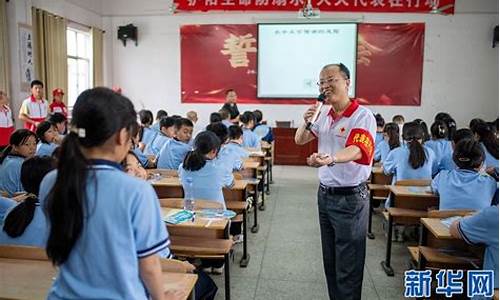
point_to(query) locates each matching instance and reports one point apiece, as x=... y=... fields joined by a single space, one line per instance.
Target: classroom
x=249 y=149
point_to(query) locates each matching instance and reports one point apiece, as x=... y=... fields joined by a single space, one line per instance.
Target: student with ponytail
x=25 y=224
x=439 y=142
x=390 y=142
x=412 y=160
x=465 y=187
x=447 y=162
x=105 y=228
x=47 y=137
x=250 y=138
x=22 y=145
x=489 y=143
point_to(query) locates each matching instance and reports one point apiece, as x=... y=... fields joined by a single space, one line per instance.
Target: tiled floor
x=286 y=253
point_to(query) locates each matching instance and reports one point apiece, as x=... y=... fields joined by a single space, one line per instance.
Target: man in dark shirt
x=231 y=106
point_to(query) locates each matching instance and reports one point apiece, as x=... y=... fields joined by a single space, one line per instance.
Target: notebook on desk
x=178 y=216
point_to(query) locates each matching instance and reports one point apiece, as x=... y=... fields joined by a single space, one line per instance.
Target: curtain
x=97 y=40
x=51 y=61
x=4 y=50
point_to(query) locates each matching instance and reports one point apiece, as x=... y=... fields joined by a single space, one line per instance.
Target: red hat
x=57 y=91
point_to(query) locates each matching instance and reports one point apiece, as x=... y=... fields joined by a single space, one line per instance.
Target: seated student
x=25 y=224
x=159 y=115
x=201 y=168
x=146 y=134
x=60 y=122
x=6 y=121
x=132 y=166
x=473 y=123
x=22 y=145
x=138 y=148
x=489 y=143
x=167 y=132
x=225 y=157
x=400 y=120
x=447 y=162
x=235 y=143
x=5 y=205
x=439 y=143
x=250 y=139
x=47 y=136
x=57 y=105
x=449 y=121
x=215 y=117
x=424 y=128
x=262 y=130
x=226 y=117
x=193 y=117
x=465 y=187
x=481 y=228
x=390 y=142
x=380 y=128
x=411 y=160
x=173 y=153
x=102 y=248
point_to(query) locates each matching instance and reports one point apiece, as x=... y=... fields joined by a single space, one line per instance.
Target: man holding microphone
x=345 y=132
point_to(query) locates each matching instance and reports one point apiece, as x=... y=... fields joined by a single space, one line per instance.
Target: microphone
x=321 y=100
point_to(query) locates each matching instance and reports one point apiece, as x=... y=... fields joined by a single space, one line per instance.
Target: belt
x=343 y=190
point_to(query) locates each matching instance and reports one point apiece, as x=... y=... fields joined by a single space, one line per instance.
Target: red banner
x=218 y=57
x=373 y=6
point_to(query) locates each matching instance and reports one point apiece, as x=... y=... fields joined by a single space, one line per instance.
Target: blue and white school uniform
x=489 y=160
x=34 y=235
x=250 y=139
x=172 y=154
x=447 y=163
x=396 y=163
x=10 y=174
x=237 y=151
x=156 y=144
x=482 y=228
x=442 y=148
x=143 y=158
x=382 y=149
x=45 y=149
x=463 y=189
x=123 y=225
x=148 y=135
x=5 y=205
x=207 y=181
x=379 y=137
x=156 y=126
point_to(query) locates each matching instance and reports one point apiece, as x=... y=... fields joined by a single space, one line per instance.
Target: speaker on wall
x=127 y=32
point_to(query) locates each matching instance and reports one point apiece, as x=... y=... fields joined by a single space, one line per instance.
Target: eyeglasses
x=328 y=81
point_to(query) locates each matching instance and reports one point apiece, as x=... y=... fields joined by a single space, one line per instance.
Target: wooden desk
x=378 y=193
x=286 y=152
x=29 y=279
x=199 y=227
x=250 y=164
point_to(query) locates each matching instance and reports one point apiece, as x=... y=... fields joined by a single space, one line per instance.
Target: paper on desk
x=448 y=221
x=177 y=216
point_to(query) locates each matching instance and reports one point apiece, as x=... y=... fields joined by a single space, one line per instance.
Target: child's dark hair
x=439 y=130
x=224 y=115
x=220 y=130
x=462 y=134
x=41 y=129
x=449 y=121
x=32 y=172
x=380 y=120
x=235 y=132
x=398 y=118
x=146 y=117
x=36 y=82
x=487 y=137
x=412 y=133
x=258 y=116
x=183 y=122
x=17 y=138
x=124 y=161
x=215 y=117
x=424 y=128
x=167 y=122
x=392 y=130
x=161 y=114
x=474 y=122
x=204 y=142
x=246 y=117
x=468 y=154
x=91 y=127
x=57 y=118
x=441 y=116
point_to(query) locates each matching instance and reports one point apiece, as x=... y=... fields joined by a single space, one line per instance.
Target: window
x=79 y=63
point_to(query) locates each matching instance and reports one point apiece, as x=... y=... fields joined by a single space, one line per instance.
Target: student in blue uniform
x=25 y=224
x=173 y=153
x=159 y=115
x=22 y=145
x=5 y=205
x=60 y=121
x=235 y=143
x=449 y=121
x=422 y=124
x=104 y=249
x=481 y=228
x=379 y=136
x=447 y=162
x=465 y=187
x=47 y=137
x=439 y=143
x=262 y=130
x=132 y=166
x=146 y=134
x=486 y=136
x=411 y=160
x=167 y=133
x=390 y=142
x=226 y=118
x=250 y=139
x=226 y=159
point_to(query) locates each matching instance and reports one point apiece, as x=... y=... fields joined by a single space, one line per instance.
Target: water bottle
x=189 y=195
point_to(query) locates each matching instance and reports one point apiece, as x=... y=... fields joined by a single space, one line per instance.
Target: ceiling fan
x=440 y=10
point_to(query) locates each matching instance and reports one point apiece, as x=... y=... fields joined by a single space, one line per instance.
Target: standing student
x=173 y=153
x=103 y=249
x=250 y=138
x=159 y=115
x=489 y=143
x=481 y=228
x=261 y=129
x=47 y=137
x=25 y=224
x=465 y=187
x=447 y=162
x=411 y=160
x=390 y=142
x=22 y=145
x=439 y=143
x=379 y=136
x=57 y=105
x=34 y=109
x=6 y=121
x=231 y=106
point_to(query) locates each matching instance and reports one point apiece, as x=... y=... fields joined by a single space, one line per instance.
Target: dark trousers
x=343 y=223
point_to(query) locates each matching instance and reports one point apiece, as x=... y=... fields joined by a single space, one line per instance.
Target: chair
x=283 y=124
